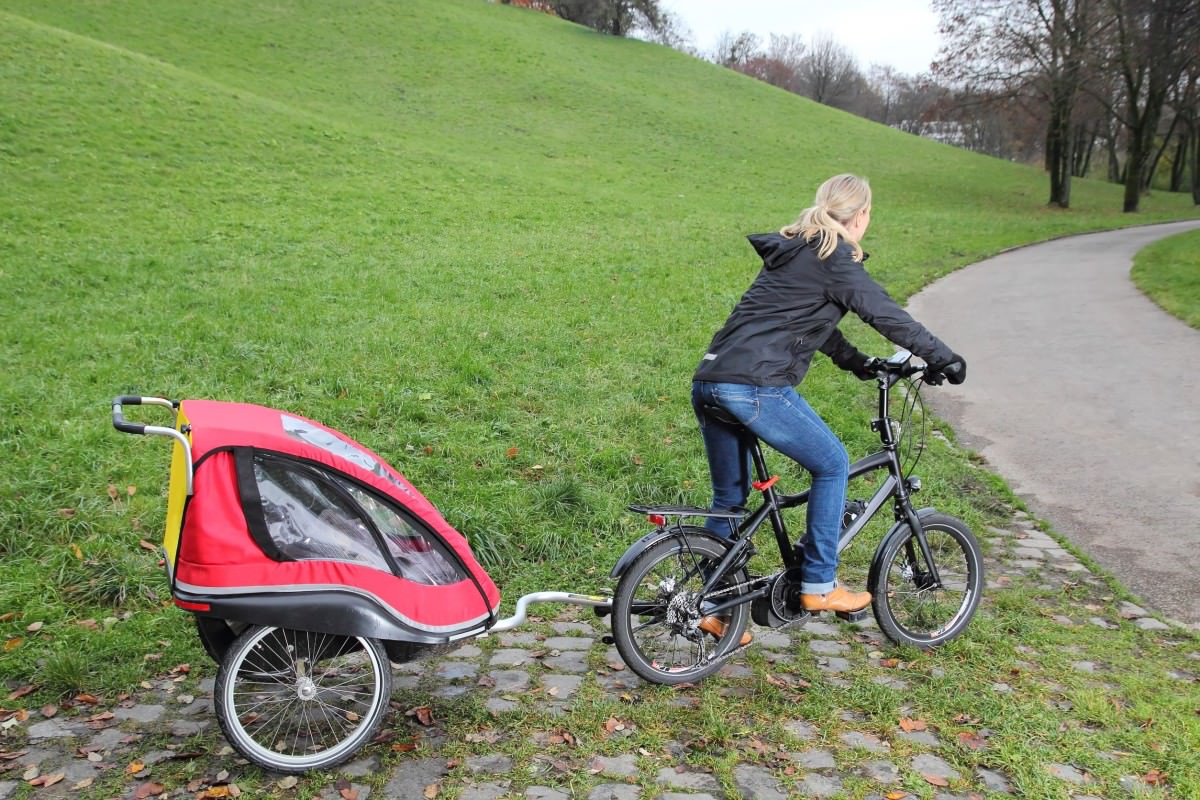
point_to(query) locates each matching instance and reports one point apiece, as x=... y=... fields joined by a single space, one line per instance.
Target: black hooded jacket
x=792 y=310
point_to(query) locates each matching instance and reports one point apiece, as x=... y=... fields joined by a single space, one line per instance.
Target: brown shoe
x=837 y=600
x=715 y=627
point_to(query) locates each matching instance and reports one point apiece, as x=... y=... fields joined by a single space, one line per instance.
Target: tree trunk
x=1153 y=168
x=1085 y=143
x=1196 y=164
x=1179 y=163
x=1059 y=152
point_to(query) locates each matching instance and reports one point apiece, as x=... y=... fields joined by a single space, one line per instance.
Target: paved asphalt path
x=1085 y=397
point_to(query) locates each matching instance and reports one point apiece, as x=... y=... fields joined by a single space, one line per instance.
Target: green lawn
x=1168 y=271
x=486 y=243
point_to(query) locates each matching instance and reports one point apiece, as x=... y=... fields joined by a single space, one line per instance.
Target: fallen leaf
x=24 y=690
x=431 y=791
x=509 y=453
x=936 y=780
x=1154 y=777
x=13 y=644
x=972 y=740
x=34 y=627
x=288 y=783
x=424 y=714
x=66 y=512
x=90 y=699
x=49 y=710
x=83 y=784
x=48 y=780
x=90 y=624
x=895 y=795
x=112 y=491
x=148 y=789
x=147 y=546
x=910 y=725
x=131 y=490
x=75 y=551
x=216 y=792
x=135 y=767
x=8 y=616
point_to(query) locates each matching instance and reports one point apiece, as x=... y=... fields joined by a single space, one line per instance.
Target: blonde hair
x=837 y=201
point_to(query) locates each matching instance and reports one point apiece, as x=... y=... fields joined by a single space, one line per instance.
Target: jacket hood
x=775 y=248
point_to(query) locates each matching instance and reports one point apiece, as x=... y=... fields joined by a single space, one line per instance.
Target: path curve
x=1085 y=396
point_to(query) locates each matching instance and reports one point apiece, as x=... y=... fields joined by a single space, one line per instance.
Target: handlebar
x=118 y=420
x=900 y=366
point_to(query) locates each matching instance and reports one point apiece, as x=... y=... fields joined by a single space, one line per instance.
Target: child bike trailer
x=309 y=563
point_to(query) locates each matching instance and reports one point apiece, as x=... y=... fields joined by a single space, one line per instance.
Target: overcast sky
x=902 y=33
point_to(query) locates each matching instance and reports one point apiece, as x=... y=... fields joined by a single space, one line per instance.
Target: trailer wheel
x=293 y=701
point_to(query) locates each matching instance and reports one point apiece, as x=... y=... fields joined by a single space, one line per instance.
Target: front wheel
x=293 y=701
x=658 y=605
x=910 y=605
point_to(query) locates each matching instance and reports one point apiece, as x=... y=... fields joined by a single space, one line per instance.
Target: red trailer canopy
x=284 y=504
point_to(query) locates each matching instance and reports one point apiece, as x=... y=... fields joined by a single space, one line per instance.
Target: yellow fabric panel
x=176 y=496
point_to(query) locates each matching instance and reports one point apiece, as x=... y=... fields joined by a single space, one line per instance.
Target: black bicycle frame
x=895 y=486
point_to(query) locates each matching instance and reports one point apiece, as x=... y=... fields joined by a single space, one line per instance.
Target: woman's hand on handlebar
x=954 y=371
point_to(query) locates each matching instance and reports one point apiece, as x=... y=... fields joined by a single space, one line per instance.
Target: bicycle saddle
x=718 y=413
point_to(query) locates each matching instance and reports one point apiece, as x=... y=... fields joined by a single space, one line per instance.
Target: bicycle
x=926 y=576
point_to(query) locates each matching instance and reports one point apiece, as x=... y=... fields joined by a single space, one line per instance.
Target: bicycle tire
x=908 y=609
x=293 y=701
x=656 y=607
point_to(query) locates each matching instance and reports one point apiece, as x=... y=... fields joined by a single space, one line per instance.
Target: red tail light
x=184 y=604
x=657 y=520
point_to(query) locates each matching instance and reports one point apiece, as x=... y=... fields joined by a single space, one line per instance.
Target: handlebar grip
x=118 y=418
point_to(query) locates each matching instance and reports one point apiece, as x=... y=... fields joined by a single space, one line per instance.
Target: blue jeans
x=781 y=418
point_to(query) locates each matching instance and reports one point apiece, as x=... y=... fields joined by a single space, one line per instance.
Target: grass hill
x=485 y=242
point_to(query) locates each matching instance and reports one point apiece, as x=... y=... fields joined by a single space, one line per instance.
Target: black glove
x=954 y=370
x=863 y=367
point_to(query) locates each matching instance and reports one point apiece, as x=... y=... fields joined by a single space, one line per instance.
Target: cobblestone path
x=531 y=697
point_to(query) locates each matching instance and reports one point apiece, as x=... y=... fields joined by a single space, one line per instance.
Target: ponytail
x=837 y=201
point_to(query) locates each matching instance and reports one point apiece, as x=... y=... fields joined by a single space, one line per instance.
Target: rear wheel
x=293 y=701
x=910 y=606
x=657 y=607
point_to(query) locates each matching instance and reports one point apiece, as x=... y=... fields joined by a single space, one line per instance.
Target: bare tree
x=1153 y=46
x=617 y=17
x=1031 y=48
x=736 y=50
x=829 y=73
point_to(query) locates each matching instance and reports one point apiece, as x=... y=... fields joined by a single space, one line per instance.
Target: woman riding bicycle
x=812 y=276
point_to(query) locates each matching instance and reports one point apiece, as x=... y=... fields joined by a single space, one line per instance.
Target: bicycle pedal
x=852 y=616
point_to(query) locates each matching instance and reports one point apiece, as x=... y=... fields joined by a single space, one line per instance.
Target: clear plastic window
x=420 y=557
x=308 y=519
x=319 y=437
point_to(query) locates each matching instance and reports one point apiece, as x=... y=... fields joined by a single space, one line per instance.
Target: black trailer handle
x=118 y=420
